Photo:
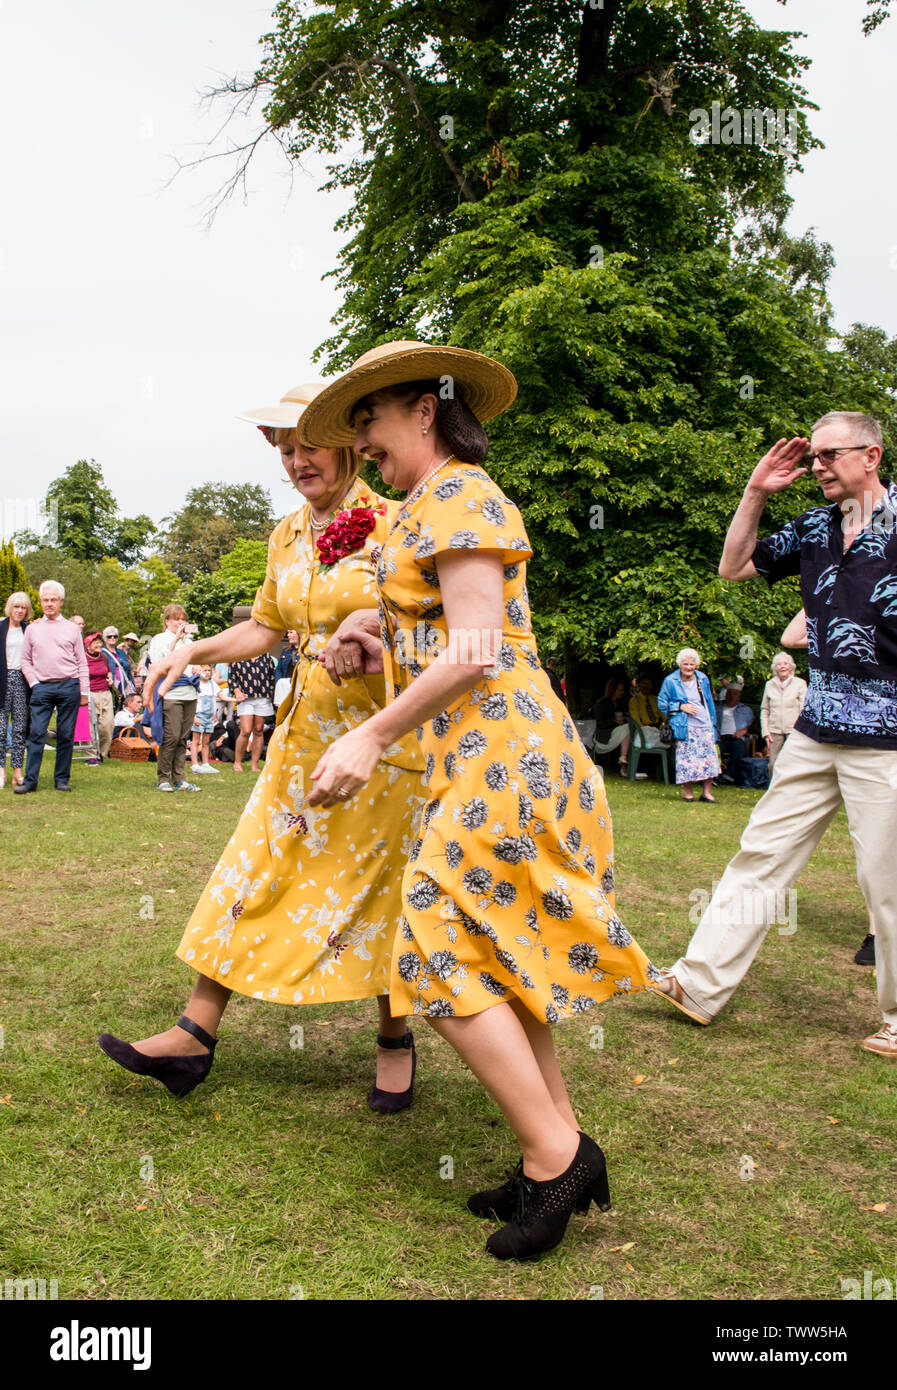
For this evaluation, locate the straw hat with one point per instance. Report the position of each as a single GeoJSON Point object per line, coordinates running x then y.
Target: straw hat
{"type": "Point", "coordinates": [285, 416]}
{"type": "Point", "coordinates": [488, 387]}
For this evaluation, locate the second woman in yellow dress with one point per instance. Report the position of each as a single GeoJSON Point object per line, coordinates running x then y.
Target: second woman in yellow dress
{"type": "Point", "coordinates": [303, 904]}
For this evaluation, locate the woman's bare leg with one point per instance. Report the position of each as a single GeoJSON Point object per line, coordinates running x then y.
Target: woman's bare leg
{"type": "Point", "coordinates": [205, 1006]}
{"type": "Point", "coordinates": [496, 1047]}
{"type": "Point", "coordinates": [541, 1040]}
{"type": "Point", "coordinates": [393, 1065]}
{"type": "Point", "coordinates": [242, 740]}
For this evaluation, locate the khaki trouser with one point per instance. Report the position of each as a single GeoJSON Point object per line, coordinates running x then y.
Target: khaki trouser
{"type": "Point", "coordinates": [809, 784]}
{"type": "Point", "coordinates": [104, 708]}
{"type": "Point", "coordinates": [776, 743]}
{"type": "Point", "coordinates": [173, 753]}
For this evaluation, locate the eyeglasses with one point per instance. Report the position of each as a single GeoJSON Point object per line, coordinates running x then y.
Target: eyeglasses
{"type": "Point", "coordinates": [830, 455]}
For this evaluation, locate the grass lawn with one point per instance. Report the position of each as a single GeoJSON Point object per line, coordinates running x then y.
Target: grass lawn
{"type": "Point", "coordinates": [746, 1160]}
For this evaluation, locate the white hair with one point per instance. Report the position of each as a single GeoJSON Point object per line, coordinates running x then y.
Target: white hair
{"type": "Point", "coordinates": [687, 652]}
{"type": "Point", "coordinates": [779, 656]}
{"type": "Point", "coordinates": [53, 584]}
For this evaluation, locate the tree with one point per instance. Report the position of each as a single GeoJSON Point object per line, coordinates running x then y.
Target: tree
{"type": "Point", "coordinates": [13, 579]}
{"type": "Point", "coordinates": [85, 523]}
{"type": "Point", "coordinates": [213, 517]}
{"type": "Point", "coordinates": [532, 180]}
{"type": "Point", "coordinates": [211, 598]}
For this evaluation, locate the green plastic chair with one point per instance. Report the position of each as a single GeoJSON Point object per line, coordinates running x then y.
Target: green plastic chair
{"type": "Point", "coordinates": [640, 749]}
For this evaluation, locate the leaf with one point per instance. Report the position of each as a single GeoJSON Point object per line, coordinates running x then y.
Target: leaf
{"type": "Point", "coordinates": [630, 1267]}
{"type": "Point", "coordinates": [832, 1121]}
{"type": "Point", "coordinates": [6, 1100]}
{"type": "Point", "coordinates": [143, 1206]}
{"type": "Point", "coordinates": [879, 1206]}
{"type": "Point", "coordinates": [673, 1060]}
{"type": "Point", "coordinates": [621, 1249]}
{"type": "Point", "coordinates": [637, 1080]}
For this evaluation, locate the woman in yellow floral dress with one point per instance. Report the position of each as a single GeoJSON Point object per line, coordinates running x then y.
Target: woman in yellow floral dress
{"type": "Point", "coordinates": [509, 923]}
{"type": "Point", "coordinates": [303, 904]}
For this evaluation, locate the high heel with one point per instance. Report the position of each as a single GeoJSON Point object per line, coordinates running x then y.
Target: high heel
{"type": "Point", "coordinates": [391, 1102]}
{"type": "Point", "coordinates": [543, 1209]}
{"type": "Point", "coordinates": [500, 1203]}
{"type": "Point", "coordinates": [180, 1074]}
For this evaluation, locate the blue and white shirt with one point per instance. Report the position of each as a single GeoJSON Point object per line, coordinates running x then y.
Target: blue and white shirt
{"type": "Point", "coordinates": [850, 598]}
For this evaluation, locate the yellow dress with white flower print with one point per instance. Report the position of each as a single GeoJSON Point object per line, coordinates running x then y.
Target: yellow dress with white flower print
{"type": "Point", "coordinates": [303, 905]}
{"type": "Point", "coordinates": [510, 886]}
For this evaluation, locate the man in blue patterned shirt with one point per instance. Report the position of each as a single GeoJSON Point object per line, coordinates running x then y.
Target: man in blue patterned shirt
{"type": "Point", "coordinates": [844, 745]}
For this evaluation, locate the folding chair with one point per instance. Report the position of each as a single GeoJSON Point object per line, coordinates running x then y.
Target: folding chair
{"type": "Point", "coordinates": [87, 733]}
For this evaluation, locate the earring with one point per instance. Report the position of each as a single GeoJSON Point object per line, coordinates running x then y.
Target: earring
{"type": "Point", "coordinates": [426, 429]}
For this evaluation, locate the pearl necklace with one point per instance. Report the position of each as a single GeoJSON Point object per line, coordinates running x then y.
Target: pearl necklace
{"type": "Point", "coordinates": [322, 525]}
{"type": "Point", "coordinates": [412, 497]}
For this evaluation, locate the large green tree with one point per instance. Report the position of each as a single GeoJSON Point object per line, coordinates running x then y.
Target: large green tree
{"type": "Point", "coordinates": [211, 598]}
{"type": "Point", "coordinates": [527, 181]}
{"type": "Point", "coordinates": [213, 518]}
{"type": "Point", "coordinates": [84, 521]}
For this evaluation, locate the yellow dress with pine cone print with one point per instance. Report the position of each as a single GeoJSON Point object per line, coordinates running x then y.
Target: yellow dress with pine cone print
{"type": "Point", "coordinates": [510, 886]}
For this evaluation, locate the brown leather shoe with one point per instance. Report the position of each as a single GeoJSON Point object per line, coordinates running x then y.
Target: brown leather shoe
{"type": "Point", "coordinates": [671, 989]}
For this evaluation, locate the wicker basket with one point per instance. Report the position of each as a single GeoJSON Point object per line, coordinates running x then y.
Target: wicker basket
{"type": "Point", "coordinates": [130, 747]}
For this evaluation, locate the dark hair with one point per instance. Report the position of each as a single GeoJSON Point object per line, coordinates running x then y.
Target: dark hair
{"type": "Point", "coordinates": [455, 421]}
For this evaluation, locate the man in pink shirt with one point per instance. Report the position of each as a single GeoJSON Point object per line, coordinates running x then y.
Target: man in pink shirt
{"type": "Point", "coordinates": [55, 667]}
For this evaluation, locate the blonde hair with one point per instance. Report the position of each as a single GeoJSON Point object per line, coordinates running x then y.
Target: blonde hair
{"type": "Point", "coordinates": [19, 597]}
{"type": "Point", "coordinates": [173, 610]}
{"type": "Point", "coordinates": [348, 463]}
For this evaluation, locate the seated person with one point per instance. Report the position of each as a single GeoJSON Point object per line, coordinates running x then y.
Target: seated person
{"type": "Point", "coordinates": [735, 719]}
{"type": "Point", "coordinates": [610, 715]}
{"type": "Point", "coordinates": [643, 708]}
{"type": "Point", "coordinates": [223, 742]}
{"type": "Point", "coordinates": [129, 714]}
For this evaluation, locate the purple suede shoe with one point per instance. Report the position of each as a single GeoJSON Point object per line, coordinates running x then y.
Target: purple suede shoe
{"type": "Point", "coordinates": [180, 1074]}
{"type": "Point", "coordinates": [391, 1102]}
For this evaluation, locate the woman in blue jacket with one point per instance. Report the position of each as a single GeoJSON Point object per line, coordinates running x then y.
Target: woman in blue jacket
{"type": "Point", "coordinates": [687, 701]}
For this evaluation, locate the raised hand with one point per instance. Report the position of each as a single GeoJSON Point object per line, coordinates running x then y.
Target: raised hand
{"type": "Point", "coordinates": [780, 467]}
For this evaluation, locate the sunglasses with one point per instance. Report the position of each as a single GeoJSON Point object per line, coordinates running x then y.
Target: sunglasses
{"type": "Point", "coordinates": [830, 455]}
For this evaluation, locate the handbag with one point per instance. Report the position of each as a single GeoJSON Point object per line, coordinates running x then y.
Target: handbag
{"type": "Point", "coordinates": [666, 733]}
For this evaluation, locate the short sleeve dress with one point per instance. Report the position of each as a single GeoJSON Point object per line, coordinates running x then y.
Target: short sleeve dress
{"type": "Point", "coordinates": [510, 887]}
{"type": "Point", "coordinates": [303, 906]}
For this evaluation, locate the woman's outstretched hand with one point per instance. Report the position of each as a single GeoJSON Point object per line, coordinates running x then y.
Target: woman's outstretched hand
{"type": "Point", "coordinates": [345, 767]}
{"type": "Point", "coordinates": [168, 671]}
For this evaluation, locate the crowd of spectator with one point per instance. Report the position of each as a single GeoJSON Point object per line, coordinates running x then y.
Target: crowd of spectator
{"type": "Point", "coordinates": [94, 682]}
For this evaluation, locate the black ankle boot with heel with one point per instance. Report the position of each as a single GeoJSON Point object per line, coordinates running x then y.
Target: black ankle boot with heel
{"type": "Point", "coordinates": [180, 1074]}
{"type": "Point", "coordinates": [543, 1209]}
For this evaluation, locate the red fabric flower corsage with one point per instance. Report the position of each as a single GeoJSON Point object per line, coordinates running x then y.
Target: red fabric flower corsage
{"type": "Point", "coordinates": [346, 533]}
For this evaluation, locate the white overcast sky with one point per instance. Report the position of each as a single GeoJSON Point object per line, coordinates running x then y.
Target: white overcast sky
{"type": "Point", "coordinates": [131, 334]}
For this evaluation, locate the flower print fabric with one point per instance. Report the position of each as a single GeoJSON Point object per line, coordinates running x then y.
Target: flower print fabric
{"type": "Point", "coordinates": [304, 903]}
{"type": "Point", "coordinates": [510, 887]}
{"type": "Point", "coordinates": [850, 598]}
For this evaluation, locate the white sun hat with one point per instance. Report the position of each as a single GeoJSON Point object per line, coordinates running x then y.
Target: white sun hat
{"type": "Point", "coordinates": [285, 416]}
